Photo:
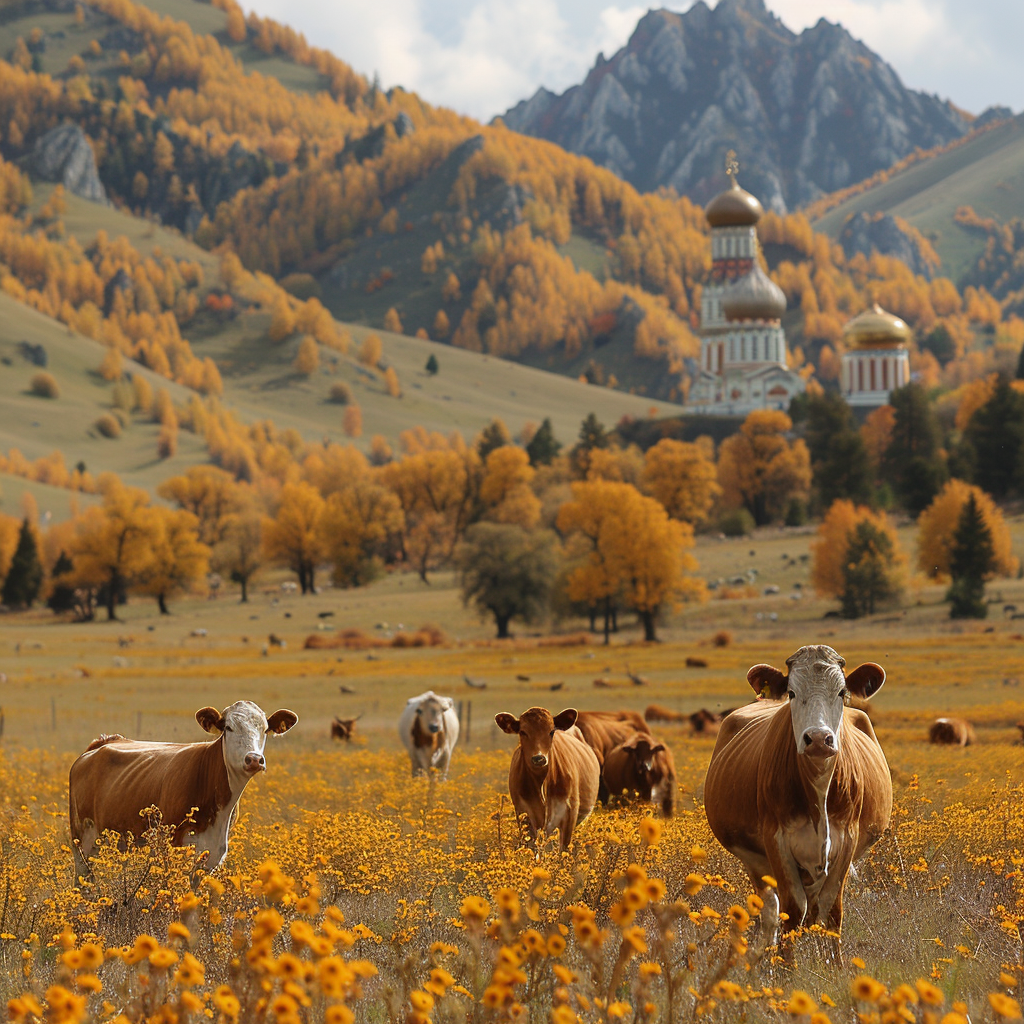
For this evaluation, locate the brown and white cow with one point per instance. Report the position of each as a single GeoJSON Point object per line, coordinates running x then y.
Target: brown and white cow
{"type": "Point", "coordinates": [644, 766]}
{"type": "Point", "coordinates": [195, 786]}
{"type": "Point", "coordinates": [429, 728]}
{"type": "Point", "coordinates": [798, 787]}
{"type": "Point", "coordinates": [953, 732]}
{"type": "Point", "coordinates": [554, 775]}
{"type": "Point", "coordinates": [344, 728]}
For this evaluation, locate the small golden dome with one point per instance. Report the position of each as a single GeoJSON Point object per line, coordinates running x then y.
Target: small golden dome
{"type": "Point", "coordinates": [735, 207]}
{"type": "Point", "coordinates": [755, 296]}
{"type": "Point", "coordinates": [875, 328]}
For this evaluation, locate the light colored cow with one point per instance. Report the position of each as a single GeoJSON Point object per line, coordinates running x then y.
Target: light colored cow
{"type": "Point", "coordinates": [429, 728]}
{"type": "Point", "coordinates": [195, 786]}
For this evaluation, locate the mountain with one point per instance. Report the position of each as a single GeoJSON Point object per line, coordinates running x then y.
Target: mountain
{"type": "Point", "coordinates": [807, 114]}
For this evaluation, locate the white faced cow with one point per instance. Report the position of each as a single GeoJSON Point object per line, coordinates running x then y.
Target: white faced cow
{"type": "Point", "coordinates": [429, 729]}
{"type": "Point", "coordinates": [196, 786]}
{"type": "Point", "coordinates": [798, 787]}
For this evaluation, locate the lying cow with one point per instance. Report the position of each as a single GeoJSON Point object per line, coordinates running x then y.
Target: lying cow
{"type": "Point", "coordinates": [706, 723]}
{"type": "Point", "coordinates": [659, 713]}
{"type": "Point", "coordinates": [952, 732]}
{"type": "Point", "coordinates": [798, 787]}
{"type": "Point", "coordinates": [343, 728]}
{"type": "Point", "coordinates": [195, 786]}
{"type": "Point", "coordinates": [429, 728]}
{"type": "Point", "coordinates": [554, 775]}
{"type": "Point", "coordinates": [643, 766]}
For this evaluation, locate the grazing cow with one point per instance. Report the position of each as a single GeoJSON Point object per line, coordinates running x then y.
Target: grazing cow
{"type": "Point", "coordinates": [952, 732]}
{"type": "Point", "coordinates": [798, 787]}
{"type": "Point", "coordinates": [1020, 742]}
{"type": "Point", "coordinates": [645, 766]}
{"type": "Point", "coordinates": [659, 713]}
{"type": "Point", "coordinates": [554, 775]}
{"type": "Point", "coordinates": [705, 723]}
{"type": "Point", "coordinates": [605, 730]}
{"type": "Point", "coordinates": [196, 786]}
{"type": "Point", "coordinates": [343, 728]}
{"type": "Point", "coordinates": [429, 728]}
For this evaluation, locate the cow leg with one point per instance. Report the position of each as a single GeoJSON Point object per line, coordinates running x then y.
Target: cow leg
{"type": "Point", "coordinates": [83, 869]}
{"type": "Point", "coordinates": [557, 814]}
{"type": "Point", "coordinates": [791, 895]}
{"type": "Point", "coordinates": [443, 761]}
{"type": "Point", "coordinates": [768, 935]}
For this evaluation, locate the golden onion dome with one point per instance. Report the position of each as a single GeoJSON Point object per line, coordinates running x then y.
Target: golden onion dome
{"type": "Point", "coordinates": [875, 328]}
{"type": "Point", "coordinates": [755, 296]}
{"type": "Point", "coordinates": [735, 207]}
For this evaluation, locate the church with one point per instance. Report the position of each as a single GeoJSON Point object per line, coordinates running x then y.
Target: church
{"type": "Point", "coordinates": [743, 358]}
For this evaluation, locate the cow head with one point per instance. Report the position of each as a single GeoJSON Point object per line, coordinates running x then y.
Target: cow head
{"type": "Point", "coordinates": [818, 692]}
{"type": "Point", "coordinates": [536, 730]}
{"type": "Point", "coordinates": [430, 713]}
{"type": "Point", "coordinates": [245, 730]}
{"type": "Point", "coordinates": [642, 748]}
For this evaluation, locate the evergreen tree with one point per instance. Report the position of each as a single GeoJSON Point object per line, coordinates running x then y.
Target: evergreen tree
{"type": "Point", "coordinates": [869, 577]}
{"type": "Point", "coordinates": [839, 460]}
{"type": "Point", "coordinates": [494, 436]}
{"type": "Point", "coordinates": [913, 462]}
{"type": "Point", "coordinates": [1020, 365]}
{"type": "Point", "coordinates": [543, 447]}
{"type": "Point", "coordinates": [592, 435]}
{"type": "Point", "coordinates": [62, 597]}
{"type": "Point", "coordinates": [25, 576]}
{"type": "Point", "coordinates": [940, 343]}
{"type": "Point", "coordinates": [996, 435]}
{"type": "Point", "coordinates": [972, 559]}
{"type": "Point", "coordinates": [432, 365]}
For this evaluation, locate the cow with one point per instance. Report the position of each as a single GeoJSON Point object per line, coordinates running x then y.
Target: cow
{"type": "Point", "coordinates": [952, 732]}
{"type": "Point", "coordinates": [195, 786]}
{"type": "Point", "coordinates": [344, 728]}
{"type": "Point", "coordinates": [644, 766]}
{"type": "Point", "coordinates": [605, 730]}
{"type": "Point", "coordinates": [798, 787]}
{"type": "Point", "coordinates": [554, 775]}
{"type": "Point", "coordinates": [705, 723]}
{"type": "Point", "coordinates": [1020, 742]}
{"type": "Point", "coordinates": [659, 713]}
{"type": "Point", "coordinates": [429, 728]}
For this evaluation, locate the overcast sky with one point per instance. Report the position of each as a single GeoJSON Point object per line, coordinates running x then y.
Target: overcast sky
{"type": "Point", "coordinates": [482, 56]}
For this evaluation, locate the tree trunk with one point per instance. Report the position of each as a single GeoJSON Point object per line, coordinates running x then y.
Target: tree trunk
{"type": "Point", "coordinates": [112, 599]}
{"type": "Point", "coordinates": [311, 575]}
{"type": "Point", "coordinates": [615, 620]}
{"type": "Point", "coordinates": [647, 618]}
{"type": "Point", "coordinates": [502, 623]}
{"type": "Point", "coordinates": [302, 577]}
{"type": "Point", "coordinates": [161, 600]}
{"type": "Point", "coordinates": [245, 589]}
{"type": "Point", "coordinates": [607, 621]}
{"type": "Point", "coordinates": [593, 619]}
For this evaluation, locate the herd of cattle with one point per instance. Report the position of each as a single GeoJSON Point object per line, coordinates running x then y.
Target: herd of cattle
{"type": "Point", "coordinates": [797, 787]}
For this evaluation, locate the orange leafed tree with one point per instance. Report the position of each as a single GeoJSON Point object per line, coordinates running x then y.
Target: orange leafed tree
{"type": "Point", "coordinates": [179, 558]}
{"type": "Point", "coordinates": [829, 550]}
{"type": "Point", "coordinates": [307, 359]}
{"type": "Point", "coordinates": [505, 488]}
{"type": "Point", "coordinates": [359, 523]}
{"type": "Point", "coordinates": [293, 536]}
{"type": "Point", "coordinates": [682, 478]}
{"type": "Point", "coordinates": [208, 493]}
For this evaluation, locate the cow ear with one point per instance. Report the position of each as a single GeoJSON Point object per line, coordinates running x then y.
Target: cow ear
{"type": "Point", "coordinates": [866, 680]}
{"type": "Point", "coordinates": [657, 748]}
{"type": "Point", "coordinates": [210, 719]}
{"type": "Point", "coordinates": [281, 721]}
{"type": "Point", "coordinates": [767, 681]}
{"type": "Point", "coordinates": [507, 723]}
{"type": "Point", "coordinates": [566, 719]}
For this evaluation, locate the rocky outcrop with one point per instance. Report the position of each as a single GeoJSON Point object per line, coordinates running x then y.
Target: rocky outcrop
{"type": "Point", "coordinates": [882, 233]}
{"type": "Point", "coordinates": [64, 154]}
{"type": "Point", "coordinates": [807, 114]}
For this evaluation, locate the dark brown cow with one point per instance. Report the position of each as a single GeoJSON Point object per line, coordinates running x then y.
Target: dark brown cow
{"type": "Point", "coordinates": [952, 732]}
{"type": "Point", "coordinates": [343, 728]}
{"type": "Point", "coordinates": [195, 786]}
{"type": "Point", "coordinates": [799, 788]}
{"type": "Point", "coordinates": [554, 775]}
{"type": "Point", "coordinates": [660, 713]}
{"type": "Point", "coordinates": [604, 730]}
{"type": "Point", "coordinates": [644, 766]}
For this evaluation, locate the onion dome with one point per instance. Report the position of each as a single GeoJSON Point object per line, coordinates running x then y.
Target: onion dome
{"type": "Point", "coordinates": [735, 207]}
{"type": "Point", "coordinates": [755, 296]}
{"type": "Point", "coordinates": [875, 328]}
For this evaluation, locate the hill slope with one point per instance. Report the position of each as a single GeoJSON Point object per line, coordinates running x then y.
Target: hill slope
{"type": "Point", "coordinates": [808, 114]}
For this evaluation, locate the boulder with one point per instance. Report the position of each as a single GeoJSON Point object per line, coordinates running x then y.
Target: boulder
{"type": "Point", "coordinates": [64, 154]}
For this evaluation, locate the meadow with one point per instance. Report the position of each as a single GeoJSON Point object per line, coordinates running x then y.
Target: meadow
{"type": "Point", "coordinates": [351, 892]}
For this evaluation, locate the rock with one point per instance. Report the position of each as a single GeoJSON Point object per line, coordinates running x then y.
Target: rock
{"type": "Point", "coordinates": [64, 154]}
{"type": "Point", "coordinates": [882, 233]}
{"type": "Point", "coordinates": [807, 114]}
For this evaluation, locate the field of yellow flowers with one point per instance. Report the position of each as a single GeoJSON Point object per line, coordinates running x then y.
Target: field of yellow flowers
{"type": "Point", "coordinates": [352, 893]}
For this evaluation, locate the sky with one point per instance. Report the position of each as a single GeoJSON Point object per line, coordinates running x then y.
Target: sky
{"type": "Point", "coordinates": [482, 56]}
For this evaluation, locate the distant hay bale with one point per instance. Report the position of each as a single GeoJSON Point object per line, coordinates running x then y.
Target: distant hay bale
{"type": "Point", "coordinates": [108, 426]}
{"type": "Point", "coordinates": [44, 385]}
{"type": "Point", "coordinates": [426, 636]}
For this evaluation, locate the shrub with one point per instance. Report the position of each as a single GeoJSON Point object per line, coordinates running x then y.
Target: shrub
{"type": "Point", "coordinates": [167, 442]}
{"type": "Point", "coordinates": [341, 393]}
{"type": "Point", "coordinates": [722, 638]}
{"type": "Point", "coordinates": [108, 426]}
{"type": "Point", "coordinates": [44, 385]}
{"type": "Point", "coordinates": [736, 523]}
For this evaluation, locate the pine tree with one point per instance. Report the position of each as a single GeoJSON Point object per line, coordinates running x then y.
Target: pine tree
{"type": "Point", "coordinates": [543, 447]}
{"type": "Point", "coordinates": [1020, 365]}
{"type": "Point", "coordinates": [25, 576]}
{"type": "Point", "coordinates": [432, 365]}
{"type": "Point", "coordinates": [839, 459]}
{"type": "Point", "coordinates": [592, 435]}
{"type": "Point", "coordinates": [973, 558]}
{"type": "Point", "coordinates": [995, 434]}
{"type": "Point", "coordinates": [495, 435]}
{"type": "Point", "coordinates": [869, 576]}
{"type": "Point", "coordinates": [912, 461]}
{"type": "Point", "coordinates": [62, 597]}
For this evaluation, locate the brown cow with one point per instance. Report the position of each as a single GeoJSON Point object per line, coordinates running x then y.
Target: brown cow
{"type": "Point", "coordinates": [343, 728]}
{"type": "Point", "coordinates": [554, 775]}
{"type": "Point", "coordinates": [798, 789]}
{"type": "Point", "coordinates": [660, 713]}
{"type": "Point", "coordinates": [645, 766]}
{"type": "Point", "coordinates": [1020, 742]}
{"type": "Point", "coordinates": [604, 730]}
{"type": "Point", "coordinates": [705, 723]}
{"type": "Point", "coordinates": [195, 786]}
{"type": "Point", "coordinates": [952, 732]}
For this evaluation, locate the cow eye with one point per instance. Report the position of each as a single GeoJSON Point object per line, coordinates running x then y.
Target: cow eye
{"type": "Point", "coordinates": [551, 734]}
{"type": "Point", "coordinates": [792, 695]}
{"type": "Point", "coordinates": [227, 728]}
{"type": "Point", "coordinates": [844, 693]}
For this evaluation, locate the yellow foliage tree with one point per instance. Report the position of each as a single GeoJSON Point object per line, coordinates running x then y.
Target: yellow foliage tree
{"type": "Point", "coordinates": [371, 351]}
{"type": "Point", "coordinates": [442, 326]}
{"type": "Point", "coordinates": [239, 555]}
{"type": "Point", "coordinates": [307, 359]}
{"type": "Point", "coordinates": [762, 471]}
{"type": "Point", "coordinates": [179, 559]}
{"type": "Point", "coordinates": [937, 528]}
{"type": "Point", "coordinates": [293, 536]}
{"type": "Point", "coordinates": [505, 490]}
{"type": "Point", "coordinates": [876, 433]}
{"type": "Point", "coordinates": [829, 550]}
{"type": "Point", "coordinates": [282, 321]}
{"type": "Point", "coordinates": [352, 421]}
{"type": "Point", "coordinates": [682, 477]}
{"type": "Point", "coordinates": [112, 366]}
{"type": "Point", "coordinates": [208, 493]}
{"type": "Point", "coordinates": [392, 321]}
{"type": "Point", "coordinates": [359, 524]}
{"type": "Point", "coordinates": [391, 383]}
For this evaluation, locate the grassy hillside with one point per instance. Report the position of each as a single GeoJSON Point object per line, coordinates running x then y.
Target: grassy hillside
{"type": "Point", "coordinates": [987, 173]}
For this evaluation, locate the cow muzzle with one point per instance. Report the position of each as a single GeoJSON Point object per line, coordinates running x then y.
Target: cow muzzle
{"type": "Point", "coordinates": [819, 743]}
{"type": "Point", "coordinates": [255, 763]}
{"type": "Point", "coordinates": [539, 760]}
{"type": "Point", "coordinates": [434, 727]}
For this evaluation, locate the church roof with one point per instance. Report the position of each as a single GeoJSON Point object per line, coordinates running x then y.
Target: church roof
{"type": "Point", "coordinates": [735, 207]}
{"type": "Point", "coordinates": [875, 328]}
{"type": "Point", "coordinates": [755, 296]}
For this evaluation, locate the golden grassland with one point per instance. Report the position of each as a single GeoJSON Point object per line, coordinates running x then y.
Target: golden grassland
{"type": "Point", "coordinates": [351, 892]}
